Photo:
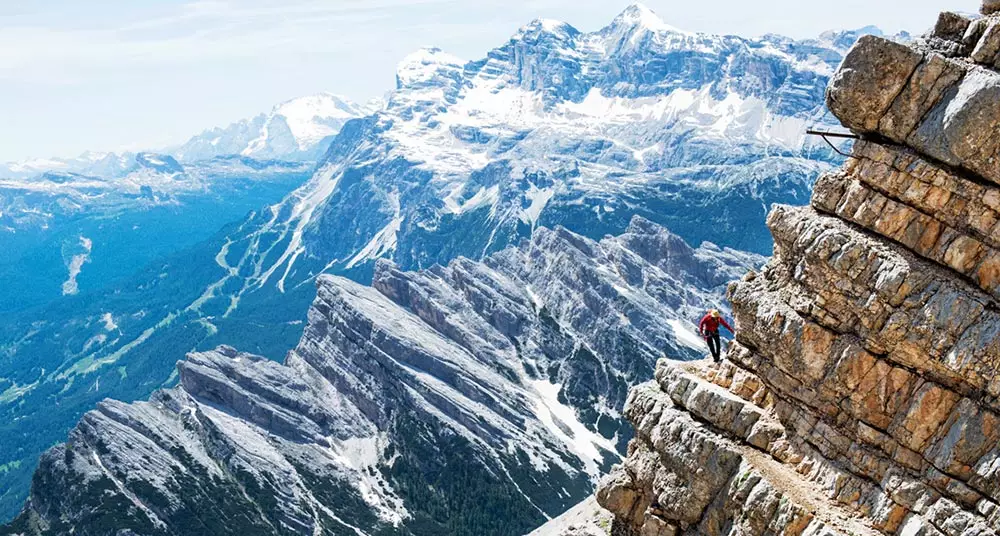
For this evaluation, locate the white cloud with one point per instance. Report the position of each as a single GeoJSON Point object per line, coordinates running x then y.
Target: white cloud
{"type": "Point", "coordinates": [202, 31]}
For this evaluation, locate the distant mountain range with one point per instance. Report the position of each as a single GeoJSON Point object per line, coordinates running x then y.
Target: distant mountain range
{"type": "Point", "coordinates": [297, 130]}
{"type": "Point", "coordinates": [48, 205]}
{"type": "Point", "coordinates": [556, 129]}
{"type": "Point", "coordinates": [300, 129]}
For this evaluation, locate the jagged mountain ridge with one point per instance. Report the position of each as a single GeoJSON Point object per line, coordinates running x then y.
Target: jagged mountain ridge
{"type": "Point", "coordinates": [511, 372]}
{"type": "Point", "coordinates": [556, 127]}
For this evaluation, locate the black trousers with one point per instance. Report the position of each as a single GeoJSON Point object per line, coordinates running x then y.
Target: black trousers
{"type": "Point", "coordinates": [714, 344]}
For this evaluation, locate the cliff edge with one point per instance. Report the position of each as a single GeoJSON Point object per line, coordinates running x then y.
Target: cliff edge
{"type": "Point", "coordinates": [862, 395]}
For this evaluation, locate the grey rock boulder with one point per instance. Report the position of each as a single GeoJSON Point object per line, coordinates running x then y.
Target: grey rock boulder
{"type": "Point", "coordinates": [941, 107]}
{"type": "Point", "coordinates": [873, 74]}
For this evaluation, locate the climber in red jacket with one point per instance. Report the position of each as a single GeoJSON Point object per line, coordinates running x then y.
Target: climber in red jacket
{"type": "Point", "coordinates": [709, 329]}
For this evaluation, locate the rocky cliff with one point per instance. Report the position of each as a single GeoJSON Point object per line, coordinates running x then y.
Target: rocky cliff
{"type": "Point", "coordinates": [861, 395]}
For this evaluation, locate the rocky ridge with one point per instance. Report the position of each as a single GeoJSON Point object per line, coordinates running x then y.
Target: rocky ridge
{"type": "Point", "coordinates": [480, 397]}
{"type": "Point", "coordinates": [861, 395]}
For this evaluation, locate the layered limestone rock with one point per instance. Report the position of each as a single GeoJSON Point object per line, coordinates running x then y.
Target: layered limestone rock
{"type": "Point", "coordinates": [940, 96]}
{"type": "Point", "coordinates": [862, 395]}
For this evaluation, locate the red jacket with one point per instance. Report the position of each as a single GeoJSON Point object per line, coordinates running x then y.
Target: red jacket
{"type": "Point", "coordinates": [710, 324]}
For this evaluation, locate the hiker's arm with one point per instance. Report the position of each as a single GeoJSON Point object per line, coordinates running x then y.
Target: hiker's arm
{"type": "Point", "coordinates": [727, 326]}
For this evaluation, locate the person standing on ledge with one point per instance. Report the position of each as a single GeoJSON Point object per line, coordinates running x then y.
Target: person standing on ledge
{"type": "Point", "coordinates": [709, 329]}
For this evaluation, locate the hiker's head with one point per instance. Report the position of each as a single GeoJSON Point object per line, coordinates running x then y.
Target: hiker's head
{"type": "Point", "coordinates": [714, 313]}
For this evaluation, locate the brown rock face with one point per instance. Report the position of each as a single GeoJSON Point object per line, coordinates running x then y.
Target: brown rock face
{"type": "Point", "coordinates": [862, 395]}
{"type": "Point", "coordinates": [941, 96]}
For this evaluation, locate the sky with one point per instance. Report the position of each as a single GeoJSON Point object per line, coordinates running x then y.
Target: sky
{"type": "Point", "coordinates": [110, 75]}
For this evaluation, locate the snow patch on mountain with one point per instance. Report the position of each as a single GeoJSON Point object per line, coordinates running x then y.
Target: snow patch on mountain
{"type": "Point", "coordinates": [537, 198]}
{"type": "Point", "coordinates": [686, 334]}
{"type": "Point", "coordinates": [562, 421]}
{"type": "Point", "coordinates": [363, 456]}
{"type": "Point", "coordinates": [75, 266]}
{"type": "Point", "coordinates": [482, 198]}
{"type": "Point", "coordinates": [109, 322]}
{"type": "Point", "coordinates": [306, 200]}
{"type": "Point", "coordinates": [385, 240]}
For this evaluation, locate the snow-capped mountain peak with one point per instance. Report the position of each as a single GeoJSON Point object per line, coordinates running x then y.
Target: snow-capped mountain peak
{"type": "Point", "coordinates": [426, 67]}
{"type": "Point", "coordinates": [313, 118]}
{"type": "Point", "coordinates": [638, 16]}
{"type": "Point", "coordinates": [426, 80]}
{"type": "Point", "coordinates": [638, 27]}
{"type": "Point", "coordinates": [545, 26]}
{"type": "Point", "coordinates": [843, 40]}
{"type": "Point", "coordinates": [322, 104]}
{"type": "Point", "coordinates": [298, 129]}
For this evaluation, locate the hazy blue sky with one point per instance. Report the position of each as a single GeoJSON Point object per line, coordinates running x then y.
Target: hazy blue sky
{"type": "Point", "coordinates": [114, 74]}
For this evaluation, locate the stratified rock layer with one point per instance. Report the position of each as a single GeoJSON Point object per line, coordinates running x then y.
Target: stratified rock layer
{"type": "Point", "coordinates": [862, 395]}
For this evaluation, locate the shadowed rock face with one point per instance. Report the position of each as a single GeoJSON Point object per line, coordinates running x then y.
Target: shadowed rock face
{"type": "Point", "coordinates": [862, 394]}
{"type": "Point", "coordinates": [466, 399]}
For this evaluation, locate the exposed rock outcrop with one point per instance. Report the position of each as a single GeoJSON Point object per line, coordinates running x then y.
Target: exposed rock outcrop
{"type": "Point", "coordinates": [862, 395]}
{"type": "Point", "coordinates": [584, 519]}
